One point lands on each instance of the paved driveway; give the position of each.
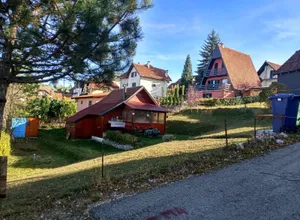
(261, 188)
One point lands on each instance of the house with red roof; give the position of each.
(229, 72)
(267, 74)
(154, 79)
(122, 109)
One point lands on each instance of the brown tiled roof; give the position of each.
(240, 68)
(272, 65)
(111, 101)
(148, 72)
(175, 83)
(97, 95)
(292, 64)
(275, 66)
(94, 85)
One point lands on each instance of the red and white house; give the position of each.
(122, 109)
(229, 71)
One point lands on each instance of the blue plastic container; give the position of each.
(285, 105)
(19, 127)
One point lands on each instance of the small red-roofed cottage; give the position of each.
(122, 109)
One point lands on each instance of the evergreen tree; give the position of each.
(187, 74)
(213, 39)
(43, 41)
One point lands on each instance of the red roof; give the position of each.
(275, 66)
(97, 95)
(292, 64)
(110, 102)
(146, 107)
(240, 68)
(148, 72)
(95, 85)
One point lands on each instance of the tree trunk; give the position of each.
(3, 91)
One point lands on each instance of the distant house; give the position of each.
(229, 71)
(267, 73)
(177, 83)
(289, 73)
(85, 101)
(93, 88)
(154, 79)
(122, 109)
(45, 91)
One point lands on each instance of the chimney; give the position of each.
(222, 45)
(148, 64)
(167, 73)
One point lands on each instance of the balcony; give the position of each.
(215, 87)
(215, 72)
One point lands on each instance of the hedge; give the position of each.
(226, 101)
(121, 138)
(5, 146)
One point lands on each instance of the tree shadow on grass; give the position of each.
(51, 150)
(34, 193)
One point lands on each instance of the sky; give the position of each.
(172, 29)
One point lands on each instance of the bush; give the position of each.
(152, 132)
(5, 146)
(227, 101)
(168, 137)
(121, 138)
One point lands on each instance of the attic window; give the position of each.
(133, 74)
(216, 65)
(153, 85)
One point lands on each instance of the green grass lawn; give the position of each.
(64, 167)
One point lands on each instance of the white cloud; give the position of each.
(285, 28)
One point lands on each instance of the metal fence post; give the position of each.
(226, 135)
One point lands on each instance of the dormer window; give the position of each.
(133, 74)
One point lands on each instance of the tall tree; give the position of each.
(45, 40)
(213, 39)
(187, 74)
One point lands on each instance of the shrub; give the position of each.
(5, 146)
(168, 137)
(152, 132)
(226, 101)
(121, 138)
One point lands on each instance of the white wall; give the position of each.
(266, 76)
(136, 79)
(84, 103)
(160, 88)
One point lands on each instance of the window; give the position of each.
(133, 85)
(81, 102)
(161, 118)
(142, 117)
(154, 117)
(224, 81)
(223, 65)
(133, 74)
(207, 95)
(90, 102)
(216, 65)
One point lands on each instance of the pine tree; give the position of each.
(43, 41)
(213, 39)
(187, 74)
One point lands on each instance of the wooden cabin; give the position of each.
(122, 109)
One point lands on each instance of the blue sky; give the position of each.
(265, 29)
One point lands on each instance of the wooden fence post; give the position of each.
(254, 127)
(226, 135)
(3, 176)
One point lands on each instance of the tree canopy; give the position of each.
(213, 39)
(45, 40)
(187, 74)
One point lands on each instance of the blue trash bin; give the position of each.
(285, 105)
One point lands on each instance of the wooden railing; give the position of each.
(215, 72)
(215, 87)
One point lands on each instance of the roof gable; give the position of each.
(240, 68)
(148, 72)
(274, 66)
(292, 64)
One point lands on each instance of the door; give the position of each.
(98, 127)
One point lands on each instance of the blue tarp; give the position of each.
(19, 127)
